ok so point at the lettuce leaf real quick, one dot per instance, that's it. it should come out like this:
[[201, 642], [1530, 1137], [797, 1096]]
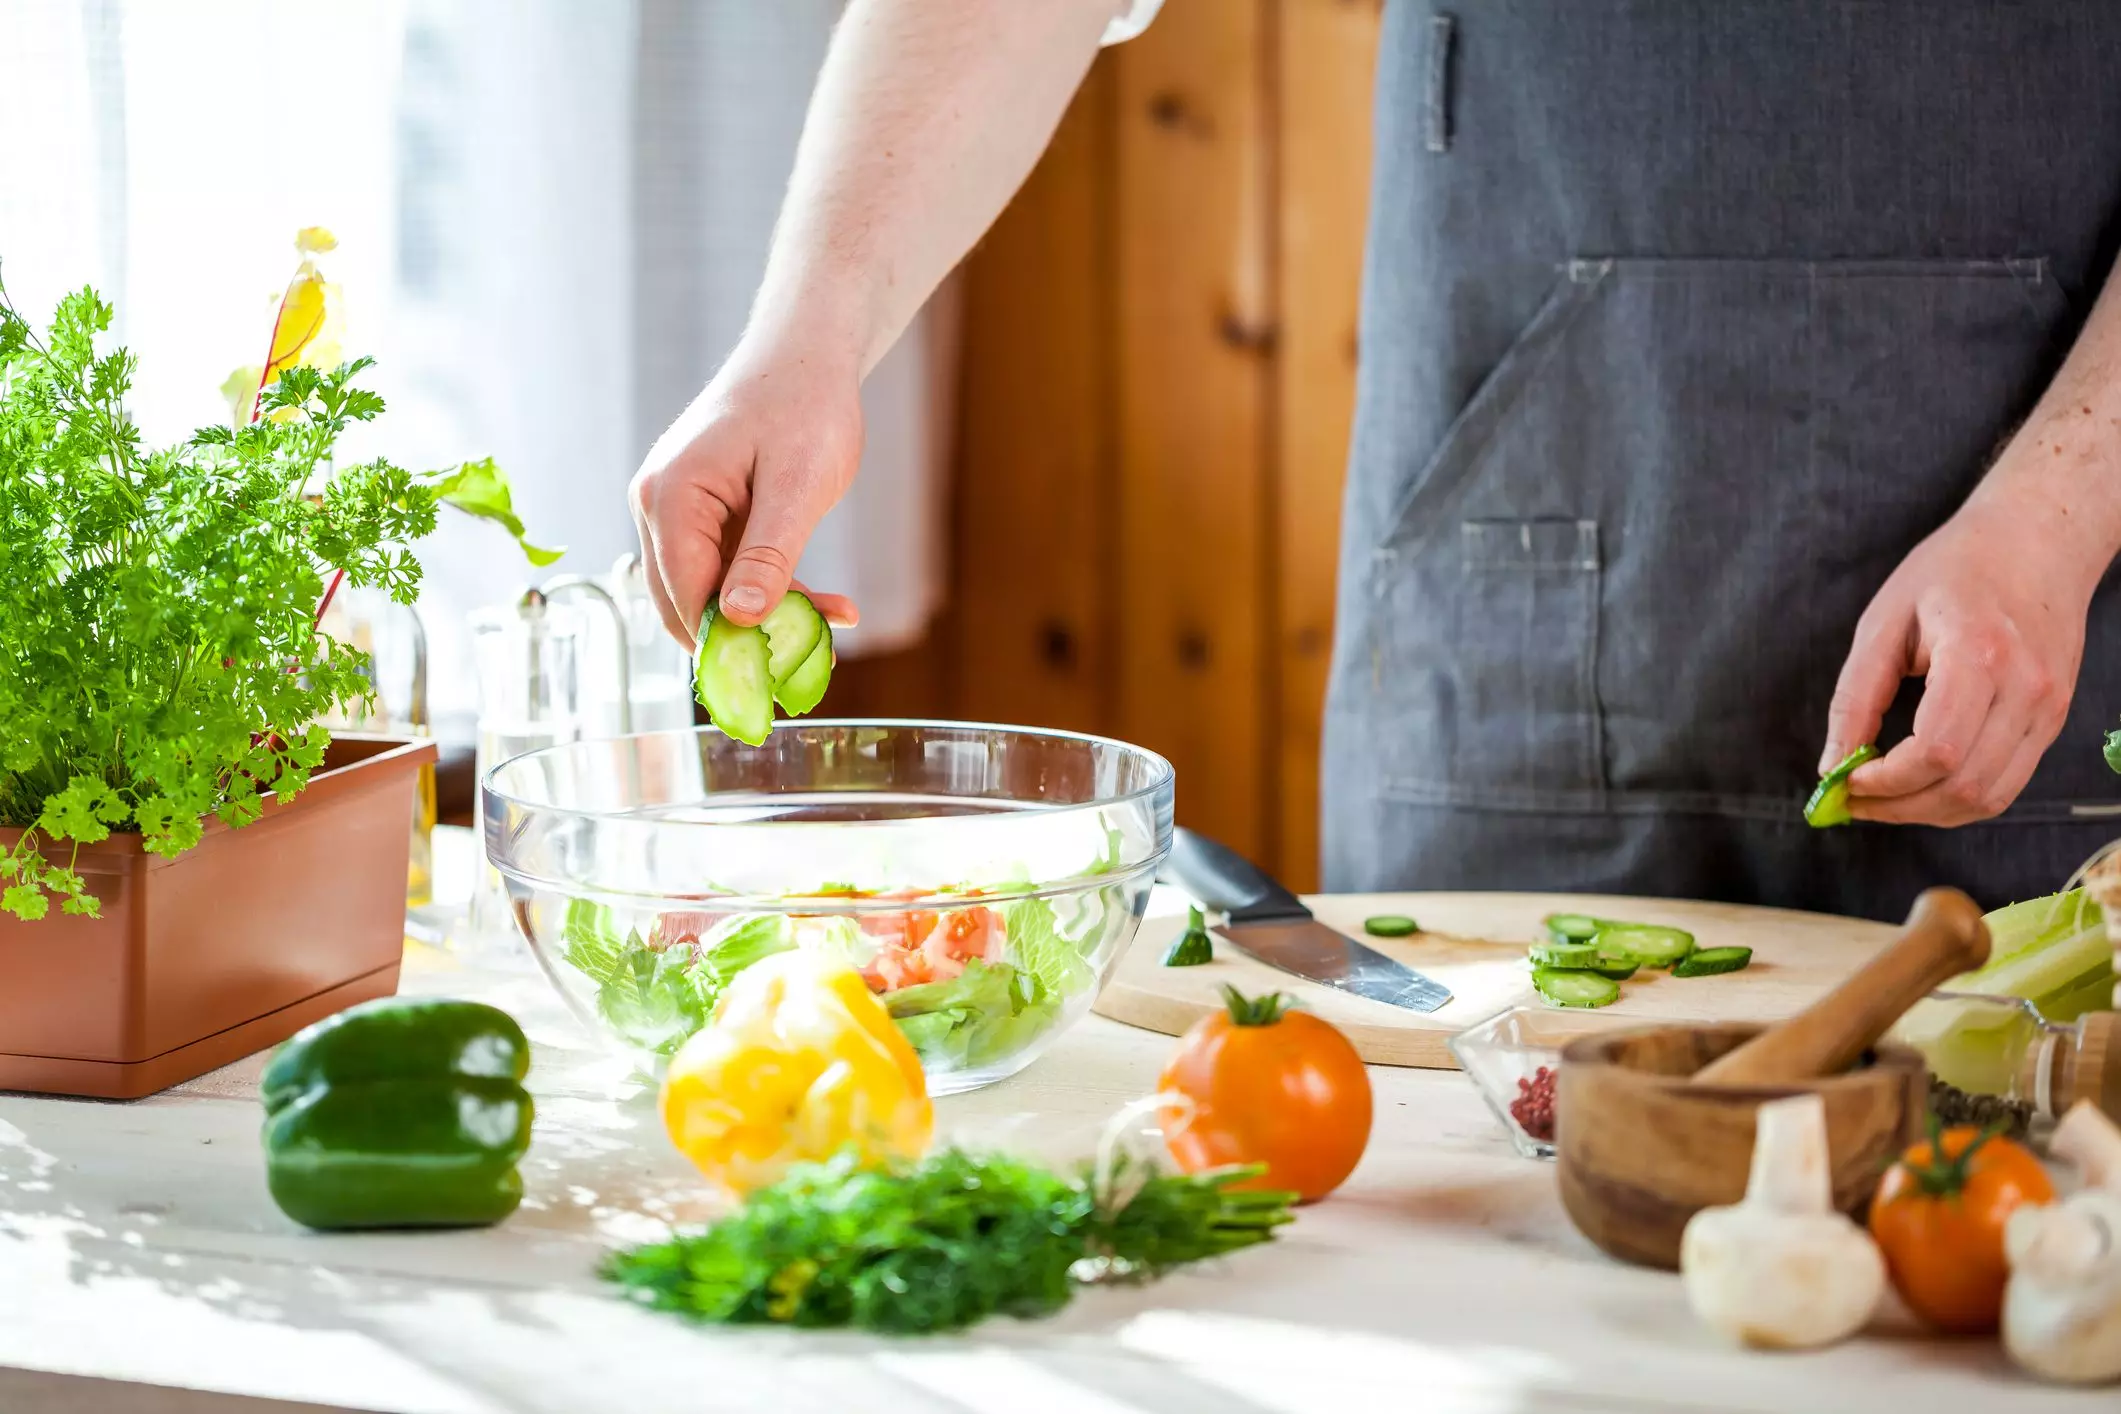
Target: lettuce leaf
[[990, 1011], [2050, 951], [655, 996], [736, 943], [479, 489], [1108, 862], [591, 941], [929, 1034], [981, 987], [1037, 945], [2053, 952], [653, 999], [835, 936], [985, 1014]]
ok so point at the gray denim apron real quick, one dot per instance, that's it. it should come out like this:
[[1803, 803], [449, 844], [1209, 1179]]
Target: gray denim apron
[[1684, 321]]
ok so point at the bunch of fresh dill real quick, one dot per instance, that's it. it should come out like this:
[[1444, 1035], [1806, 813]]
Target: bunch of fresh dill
[[941, 1244]]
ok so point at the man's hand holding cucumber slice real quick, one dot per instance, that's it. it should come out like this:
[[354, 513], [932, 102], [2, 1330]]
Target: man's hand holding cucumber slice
[[925, 120], [1990, 613], [729, 495]]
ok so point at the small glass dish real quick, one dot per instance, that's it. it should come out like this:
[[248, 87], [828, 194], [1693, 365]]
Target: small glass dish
[[1509, 1047]]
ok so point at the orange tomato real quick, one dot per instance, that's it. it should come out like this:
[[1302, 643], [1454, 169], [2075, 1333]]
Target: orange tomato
[[1269, 1086], [1938, 1217]]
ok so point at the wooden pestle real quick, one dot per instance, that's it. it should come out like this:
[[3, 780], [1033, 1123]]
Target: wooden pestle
[[1943, 937]]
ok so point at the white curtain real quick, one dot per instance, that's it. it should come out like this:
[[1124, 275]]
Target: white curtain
[[551, 218]]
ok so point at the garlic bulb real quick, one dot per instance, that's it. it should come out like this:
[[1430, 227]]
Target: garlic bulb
[[2062, 1309], [1783, 1269]]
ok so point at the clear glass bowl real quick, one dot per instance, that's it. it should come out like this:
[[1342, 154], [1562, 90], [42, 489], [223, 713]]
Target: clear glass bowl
[[984, 879], [1511, 1046]]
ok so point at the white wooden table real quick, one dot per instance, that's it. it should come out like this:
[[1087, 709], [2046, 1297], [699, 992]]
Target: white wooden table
[[138, 1245]]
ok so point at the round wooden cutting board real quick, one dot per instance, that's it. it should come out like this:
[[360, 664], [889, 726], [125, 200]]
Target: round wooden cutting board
[[1475, 945]]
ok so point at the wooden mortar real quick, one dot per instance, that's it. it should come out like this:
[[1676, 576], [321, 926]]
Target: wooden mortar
[[1654, 1125], [1641, 1148]]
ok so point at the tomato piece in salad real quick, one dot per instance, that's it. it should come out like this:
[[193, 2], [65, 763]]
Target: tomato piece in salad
[[688, 927], [921, 946]]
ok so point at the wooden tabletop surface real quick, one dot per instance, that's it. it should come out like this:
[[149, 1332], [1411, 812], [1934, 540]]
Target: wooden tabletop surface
[[141, 1258]]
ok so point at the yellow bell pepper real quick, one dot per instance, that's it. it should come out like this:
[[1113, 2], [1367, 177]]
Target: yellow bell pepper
[[799, 1062]]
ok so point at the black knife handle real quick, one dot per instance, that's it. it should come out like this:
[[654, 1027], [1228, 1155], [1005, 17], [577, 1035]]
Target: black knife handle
[[1218, 878]]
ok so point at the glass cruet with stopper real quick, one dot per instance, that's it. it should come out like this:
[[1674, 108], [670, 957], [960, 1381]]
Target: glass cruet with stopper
[[660, 670], [527, 655]]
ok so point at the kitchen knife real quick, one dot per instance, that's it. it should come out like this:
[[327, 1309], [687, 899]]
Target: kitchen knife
[[1267, 922]]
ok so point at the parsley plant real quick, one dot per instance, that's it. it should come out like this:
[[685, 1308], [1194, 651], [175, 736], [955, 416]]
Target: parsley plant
[[159, 656]]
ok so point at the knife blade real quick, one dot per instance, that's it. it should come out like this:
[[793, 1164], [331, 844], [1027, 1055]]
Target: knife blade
[[1268, 923]]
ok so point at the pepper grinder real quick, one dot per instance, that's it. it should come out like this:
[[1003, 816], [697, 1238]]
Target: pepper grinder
[[2079, 1060]]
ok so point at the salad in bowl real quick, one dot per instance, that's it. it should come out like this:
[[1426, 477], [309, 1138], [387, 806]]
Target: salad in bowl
[[648, 871]]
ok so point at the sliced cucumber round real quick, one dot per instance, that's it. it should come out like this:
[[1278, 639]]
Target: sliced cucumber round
[[1564, 956], [803, 689], [1829, 804], [1572, 927], [1574, 989], [794, 629], [1584, 957], [1646, 943], [1709, 962], [1390, 925], [733, 679]]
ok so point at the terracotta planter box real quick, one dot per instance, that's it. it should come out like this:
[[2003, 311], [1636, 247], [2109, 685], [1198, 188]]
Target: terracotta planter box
[[229, 948]]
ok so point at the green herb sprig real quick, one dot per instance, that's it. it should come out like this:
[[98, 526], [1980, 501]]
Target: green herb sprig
[[1193, 947], [940, 1244], [160, 660]]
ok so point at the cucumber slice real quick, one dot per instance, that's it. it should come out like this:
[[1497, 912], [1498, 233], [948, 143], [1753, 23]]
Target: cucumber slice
[[1584, 957], [1574, 989], [1572, 927], [732, 679], [1646, 943], [1390, 925], [793, 630], [1709, 962], [804, 688], [1829, 804], [1565, 956]]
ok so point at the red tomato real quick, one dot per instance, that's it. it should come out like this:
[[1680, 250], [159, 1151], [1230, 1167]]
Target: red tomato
[[1273, 1087]]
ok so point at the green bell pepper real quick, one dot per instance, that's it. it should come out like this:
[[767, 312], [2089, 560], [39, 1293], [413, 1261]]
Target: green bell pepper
[[401, 1112]]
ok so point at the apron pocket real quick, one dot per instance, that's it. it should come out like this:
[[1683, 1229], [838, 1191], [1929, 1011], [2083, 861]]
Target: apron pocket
[[1489, 650]]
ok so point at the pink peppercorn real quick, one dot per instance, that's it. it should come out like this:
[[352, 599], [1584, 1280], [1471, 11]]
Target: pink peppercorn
[[1533, 1109]]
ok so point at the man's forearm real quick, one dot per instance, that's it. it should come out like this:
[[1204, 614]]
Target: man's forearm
[[2063, 468], [926, 119]]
